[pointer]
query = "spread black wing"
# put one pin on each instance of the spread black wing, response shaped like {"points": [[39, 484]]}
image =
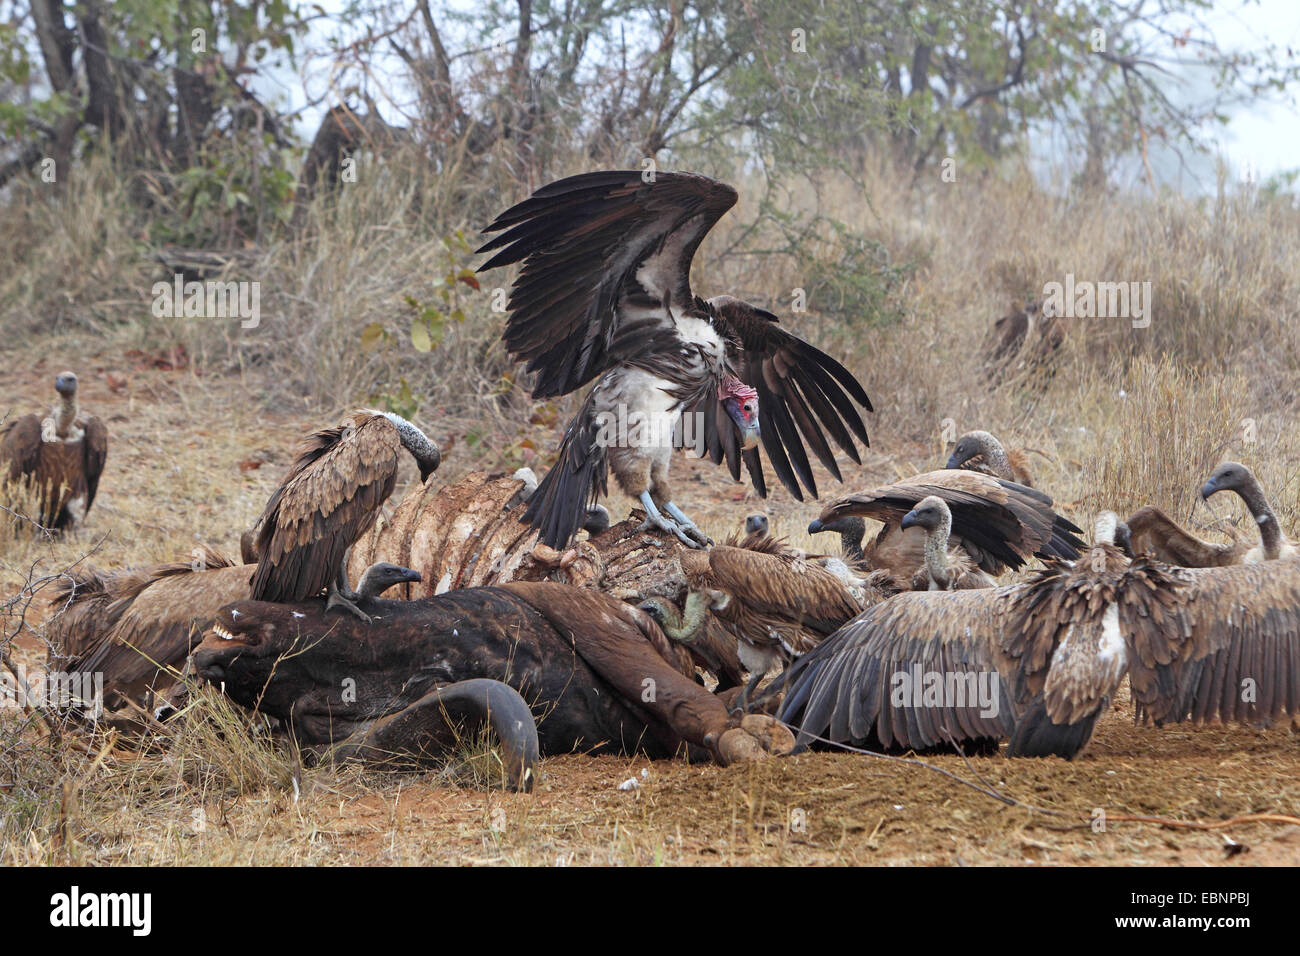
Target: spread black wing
{"points": [[801, 391], [604, 255]]}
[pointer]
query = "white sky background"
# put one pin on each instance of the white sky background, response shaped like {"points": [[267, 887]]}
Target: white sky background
{"points": [[1268, 134], [1265, 134]]}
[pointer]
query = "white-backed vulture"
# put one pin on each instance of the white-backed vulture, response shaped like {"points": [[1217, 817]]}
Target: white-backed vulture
{"points": [[137, 627], [61, 456], [999, 523], [329, 499], [980, 451], [1038, 662], [945, 569], [776, 602], [1022, 343], [604, 293], [1155, 533], [712, 645]]}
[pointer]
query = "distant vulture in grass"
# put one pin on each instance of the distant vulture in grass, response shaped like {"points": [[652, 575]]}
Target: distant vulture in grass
{"points": [[328, 500], [1155, 533], [1039, 662], [1022, 343], [61, 456], [999, 524], [982, 452], [604, 294]]}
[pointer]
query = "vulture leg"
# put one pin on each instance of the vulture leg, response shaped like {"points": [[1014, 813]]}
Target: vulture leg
{"points": [[340, 595], [687, 524], [343, 588], [653, 519], [742, 699]]}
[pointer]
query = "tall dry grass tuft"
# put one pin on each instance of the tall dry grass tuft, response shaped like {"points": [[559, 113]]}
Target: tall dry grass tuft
{"points": [[1155, 437]]}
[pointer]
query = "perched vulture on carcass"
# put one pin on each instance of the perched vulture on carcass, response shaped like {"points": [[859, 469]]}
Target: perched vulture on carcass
{"points": [[327, 501], [604, 294]]}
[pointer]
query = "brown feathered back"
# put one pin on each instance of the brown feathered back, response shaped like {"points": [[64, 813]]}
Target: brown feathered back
{"points": [[779, 600], [158, 628], [132, 626], [999, 523], [328, 500], [61, 472], [1154, 533]]}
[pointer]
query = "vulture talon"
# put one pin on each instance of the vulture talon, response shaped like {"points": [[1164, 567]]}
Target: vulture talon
{"points": [[338, 599], [654, 519], [689, 526]]}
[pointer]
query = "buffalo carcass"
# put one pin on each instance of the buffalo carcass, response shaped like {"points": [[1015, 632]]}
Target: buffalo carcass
{"points": [[598, 675]]}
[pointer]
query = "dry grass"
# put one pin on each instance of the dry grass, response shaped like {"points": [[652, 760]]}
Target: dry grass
{"points": [[1130, 417]]}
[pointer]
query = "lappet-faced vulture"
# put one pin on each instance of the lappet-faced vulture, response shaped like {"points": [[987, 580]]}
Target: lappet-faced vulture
{"points": [[328, 500], [604, 294], [60, 455]]}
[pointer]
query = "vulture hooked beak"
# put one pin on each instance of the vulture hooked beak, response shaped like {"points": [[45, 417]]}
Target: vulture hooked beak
{"points": [[66, 384], [1209, 488], [955, 460], [816, 527], [741, 402], [429, 464], [909, 519], [745, 415]]}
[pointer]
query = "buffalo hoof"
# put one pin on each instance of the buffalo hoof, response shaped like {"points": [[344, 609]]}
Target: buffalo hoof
{"points": [[426, 730], [757, 738]]}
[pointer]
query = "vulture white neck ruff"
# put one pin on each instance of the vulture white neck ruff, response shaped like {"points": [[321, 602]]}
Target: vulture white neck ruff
{"points": [[50, 431], [700, 332]]}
